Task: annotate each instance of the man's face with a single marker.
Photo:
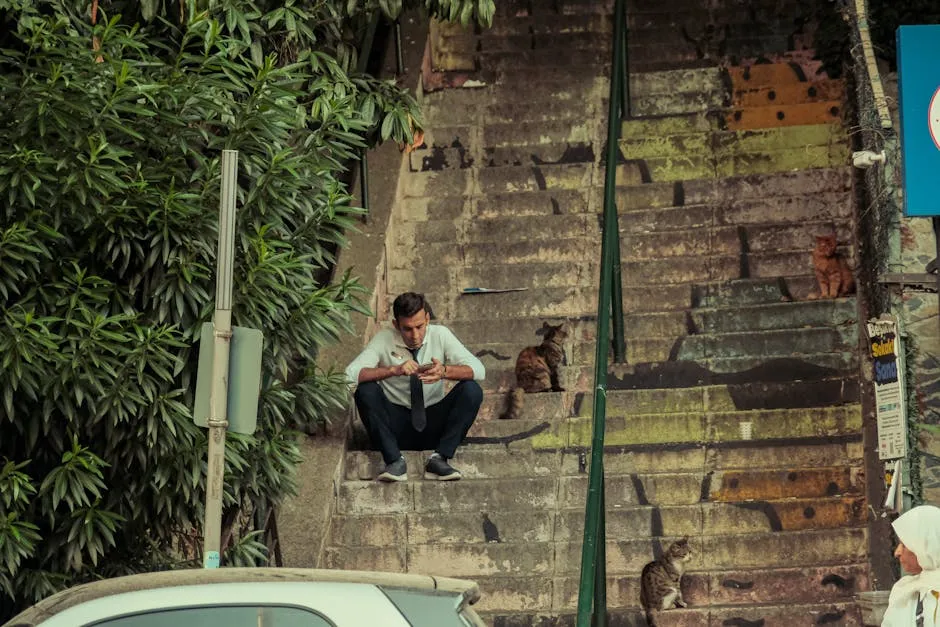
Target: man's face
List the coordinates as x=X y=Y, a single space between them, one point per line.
x=412 y=329
x=908 y=560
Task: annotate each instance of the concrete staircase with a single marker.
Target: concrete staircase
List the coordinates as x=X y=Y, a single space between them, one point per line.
x=736 y=419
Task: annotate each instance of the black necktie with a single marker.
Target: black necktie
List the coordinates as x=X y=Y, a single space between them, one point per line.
x=418 y=418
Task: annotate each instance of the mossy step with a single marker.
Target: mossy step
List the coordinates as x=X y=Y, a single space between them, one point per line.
x=734 y=142
x=681 y=167
x=676 y=103
x=642 y=521
x=771 y=424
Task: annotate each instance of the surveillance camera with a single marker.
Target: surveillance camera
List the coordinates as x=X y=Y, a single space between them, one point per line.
x=864 y=159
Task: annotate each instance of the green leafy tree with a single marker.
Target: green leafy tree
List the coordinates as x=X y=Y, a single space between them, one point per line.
x=111 y=126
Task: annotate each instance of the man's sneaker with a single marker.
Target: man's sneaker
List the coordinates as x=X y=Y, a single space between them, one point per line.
x=438 y=469
x=396 y=471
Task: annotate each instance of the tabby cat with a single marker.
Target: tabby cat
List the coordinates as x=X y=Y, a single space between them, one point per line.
x=832 y=272
x=537 y=368
x=661 y=581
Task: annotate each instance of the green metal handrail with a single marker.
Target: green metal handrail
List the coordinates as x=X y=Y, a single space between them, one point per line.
x=592 y=592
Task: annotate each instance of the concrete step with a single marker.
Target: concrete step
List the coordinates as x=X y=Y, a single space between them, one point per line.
x=494 y=491
x=567 y=525
x=549 y=302
x=558 y=56
x=435 y=159
x=768 y=116
x=554 y=406
x=498 y=180
x=768 y=343
x=539 y=154
x=569 y=290
x=492 y=230
x=700 y=347
x=660 y=234
x=625 y=557
x=522 y=133
x=522 y=75
x=497 y=205
x=543 y=10
x=714 y=371
x=726 y=240
x=495 y=41
x=476 y=106
x=548 y=24
x=751 y=318
x=821 y=90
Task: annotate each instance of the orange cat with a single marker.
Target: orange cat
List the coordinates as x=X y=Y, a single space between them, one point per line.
x=832 y=272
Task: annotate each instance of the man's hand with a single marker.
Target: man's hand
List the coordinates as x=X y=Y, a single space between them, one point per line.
x=406 y=369
x=432 y=374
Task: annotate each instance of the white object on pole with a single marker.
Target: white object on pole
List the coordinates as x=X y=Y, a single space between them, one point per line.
x=218 y=399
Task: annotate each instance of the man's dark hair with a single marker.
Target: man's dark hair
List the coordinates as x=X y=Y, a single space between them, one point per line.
x=408 y=304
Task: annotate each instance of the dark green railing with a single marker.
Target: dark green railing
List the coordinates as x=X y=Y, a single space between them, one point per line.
x=365 y=50
x=592 y=592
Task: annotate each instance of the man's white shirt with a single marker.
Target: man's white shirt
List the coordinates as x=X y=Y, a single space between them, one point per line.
x=388 y=349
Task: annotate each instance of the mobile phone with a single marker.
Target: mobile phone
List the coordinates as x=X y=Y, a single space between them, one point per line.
x=425 y=367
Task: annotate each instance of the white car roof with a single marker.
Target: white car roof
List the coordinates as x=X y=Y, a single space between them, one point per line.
x=63 y=601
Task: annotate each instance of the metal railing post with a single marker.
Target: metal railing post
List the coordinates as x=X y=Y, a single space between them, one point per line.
x=399 y=57
x=364 y=180
x=616 y=303
x=592 y=590
x=600 y=566
x=625 y=75
x=614 y=129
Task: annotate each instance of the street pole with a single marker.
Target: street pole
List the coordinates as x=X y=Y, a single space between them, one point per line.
x=218 y=398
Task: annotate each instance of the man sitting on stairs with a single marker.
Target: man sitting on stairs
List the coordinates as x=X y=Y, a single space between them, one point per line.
x=400 y=394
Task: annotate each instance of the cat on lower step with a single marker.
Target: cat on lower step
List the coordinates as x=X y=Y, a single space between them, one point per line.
x=661 y=580
x=537 y=368
x=833 y=274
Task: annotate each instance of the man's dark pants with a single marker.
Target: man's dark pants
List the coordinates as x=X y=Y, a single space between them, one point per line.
x=389 y=425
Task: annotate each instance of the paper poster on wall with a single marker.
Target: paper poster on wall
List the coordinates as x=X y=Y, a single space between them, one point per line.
x=888 y=376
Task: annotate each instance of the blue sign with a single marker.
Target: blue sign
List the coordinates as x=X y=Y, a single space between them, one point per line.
x=919 y=97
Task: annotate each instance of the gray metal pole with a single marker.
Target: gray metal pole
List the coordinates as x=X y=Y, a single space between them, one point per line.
x=218 y=398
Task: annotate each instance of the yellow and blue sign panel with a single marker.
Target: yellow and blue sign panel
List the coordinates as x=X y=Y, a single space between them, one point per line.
x=919 y=98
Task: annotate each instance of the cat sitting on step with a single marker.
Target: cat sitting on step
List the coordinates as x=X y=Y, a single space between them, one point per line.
x=661 y=581
x=832 y=271
x=537 y=368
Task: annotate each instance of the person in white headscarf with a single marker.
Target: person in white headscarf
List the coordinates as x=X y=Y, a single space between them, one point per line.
x=915 y=598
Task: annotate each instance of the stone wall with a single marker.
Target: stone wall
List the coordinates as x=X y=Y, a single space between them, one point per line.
x=895 y=245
